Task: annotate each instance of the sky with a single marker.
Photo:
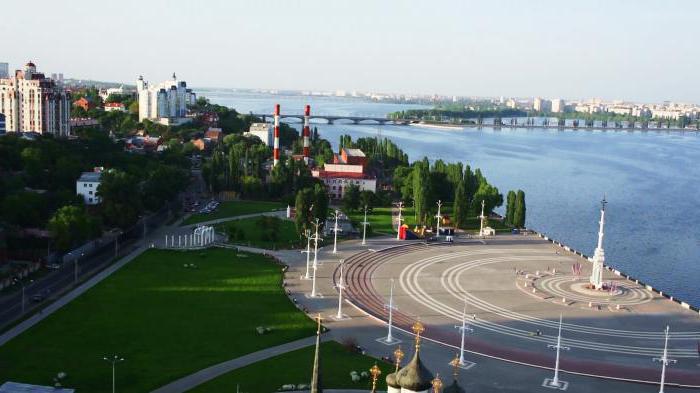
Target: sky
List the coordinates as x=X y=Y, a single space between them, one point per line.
x=635 y=50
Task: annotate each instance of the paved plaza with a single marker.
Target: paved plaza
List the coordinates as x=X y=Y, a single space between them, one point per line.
x=512 y=290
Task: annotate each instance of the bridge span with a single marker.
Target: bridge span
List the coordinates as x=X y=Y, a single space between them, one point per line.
x=355 y=120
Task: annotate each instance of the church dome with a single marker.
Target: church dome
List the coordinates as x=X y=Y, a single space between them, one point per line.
x=30 y=64
x=415 y=376
x=391 y=381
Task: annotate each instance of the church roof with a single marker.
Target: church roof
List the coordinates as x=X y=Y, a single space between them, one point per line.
x=415 y=376
x=391 y=381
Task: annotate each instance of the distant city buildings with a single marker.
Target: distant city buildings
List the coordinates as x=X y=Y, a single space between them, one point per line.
x=86 y=186
x=542 y=105
x=558 y=105
x=32 y=102
x=261 y=130
x=4 y=70
x=114 y=106
x=106 y=93
x=164 y=103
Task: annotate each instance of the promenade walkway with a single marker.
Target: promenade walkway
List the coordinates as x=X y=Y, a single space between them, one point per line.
x=189 y=382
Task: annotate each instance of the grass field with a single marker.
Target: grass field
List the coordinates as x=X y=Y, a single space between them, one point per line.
x=166 y=320
x=233 y=209
x=295 y=368
x=252 y=233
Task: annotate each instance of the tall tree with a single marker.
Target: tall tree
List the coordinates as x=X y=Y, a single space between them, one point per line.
x=71 y=225
x=421 y=179
x=510 y=207
x=519 y=215
x=351 y=198
x=461 y=205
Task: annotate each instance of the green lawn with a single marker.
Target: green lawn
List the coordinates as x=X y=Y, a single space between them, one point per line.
x=233 y=209
x=295 y=368
x=380 y=220
x=166 y=320
x=252 y=232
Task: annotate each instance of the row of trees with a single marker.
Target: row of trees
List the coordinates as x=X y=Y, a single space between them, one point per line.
x=311 y=203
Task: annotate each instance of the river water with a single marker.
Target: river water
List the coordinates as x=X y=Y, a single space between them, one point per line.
x=650 y=180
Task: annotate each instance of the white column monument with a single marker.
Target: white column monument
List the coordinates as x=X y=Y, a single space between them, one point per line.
x=599 y=255
x=482 y=217
x=389 y=339
x=315 y=265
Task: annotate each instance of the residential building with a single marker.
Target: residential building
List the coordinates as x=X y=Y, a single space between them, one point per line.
x=347 y=168
x=86 y=186
x=114 y=106
x=541 y=105
x=33 y=103
x=215 y=135
x=105 y=93
x=84 y=103
x=4 y=70
x=558 y=105
x=165 y=103
x=2 y=124
x=263 y=131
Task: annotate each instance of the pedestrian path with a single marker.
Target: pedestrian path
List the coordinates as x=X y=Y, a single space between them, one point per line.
x=191 y=381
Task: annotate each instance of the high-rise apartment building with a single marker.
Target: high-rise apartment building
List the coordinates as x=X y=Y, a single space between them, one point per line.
x=165 y=103
x=32 y=102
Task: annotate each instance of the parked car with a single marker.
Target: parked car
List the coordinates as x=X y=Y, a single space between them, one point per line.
x=41 y=296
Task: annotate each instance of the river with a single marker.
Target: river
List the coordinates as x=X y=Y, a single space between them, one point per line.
x=650 y=180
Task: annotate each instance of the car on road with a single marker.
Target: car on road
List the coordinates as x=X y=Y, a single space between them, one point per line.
x=41 y=296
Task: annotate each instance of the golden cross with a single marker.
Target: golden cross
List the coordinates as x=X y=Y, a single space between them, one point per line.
x=437 y=384
x=398 y=354
x=418 y=329
x=375 y=372
x=455 y=365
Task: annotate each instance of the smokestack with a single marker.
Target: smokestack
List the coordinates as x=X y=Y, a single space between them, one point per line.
x=276 y=147
x=307 y=134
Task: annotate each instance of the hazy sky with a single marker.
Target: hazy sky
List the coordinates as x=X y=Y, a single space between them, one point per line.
x=626 y=49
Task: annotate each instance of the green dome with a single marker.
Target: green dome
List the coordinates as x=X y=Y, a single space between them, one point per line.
x=415 y=376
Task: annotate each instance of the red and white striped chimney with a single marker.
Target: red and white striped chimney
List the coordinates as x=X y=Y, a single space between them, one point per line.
x=306 y=133
x=276 y=146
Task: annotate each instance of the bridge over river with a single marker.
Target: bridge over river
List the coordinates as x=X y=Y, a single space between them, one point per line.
x=332 y=119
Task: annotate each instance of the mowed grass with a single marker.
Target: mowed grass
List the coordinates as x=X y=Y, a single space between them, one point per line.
x=295 y=368
x=166 y=320
x=233 y=209
x=254 y=234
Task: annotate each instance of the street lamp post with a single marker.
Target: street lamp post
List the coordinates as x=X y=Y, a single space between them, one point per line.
x=389 y=337
x=114 y=360
x=308 y=253
x=75 y=268
x=555 y=382
x=315 y=265
x=398 y=227
x=341 y=287
x=481 y=231
x=335 y=233
x=438 y=217
x=364 y=227
x=464 y=329
x=665 y=361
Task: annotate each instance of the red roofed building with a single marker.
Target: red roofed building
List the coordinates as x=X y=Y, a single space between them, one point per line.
x=214 y=134
x=83 y=103
x=347 y=168
x=114 y=106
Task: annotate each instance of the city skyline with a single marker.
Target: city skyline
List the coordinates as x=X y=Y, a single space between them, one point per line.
x=636 y=51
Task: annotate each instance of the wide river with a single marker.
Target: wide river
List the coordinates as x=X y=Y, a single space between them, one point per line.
x=650 y=179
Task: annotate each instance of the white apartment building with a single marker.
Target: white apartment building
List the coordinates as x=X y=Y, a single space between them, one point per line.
x=541 y=105
x=558 y=105
x=263 y=131
x=32 y=102
x=4 y=70
x=86 y=186
x=165 y=103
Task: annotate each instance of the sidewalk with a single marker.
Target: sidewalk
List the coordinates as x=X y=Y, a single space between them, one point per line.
x=186 y=383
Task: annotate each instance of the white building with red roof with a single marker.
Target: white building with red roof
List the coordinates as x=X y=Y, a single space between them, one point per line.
x=347 y=168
